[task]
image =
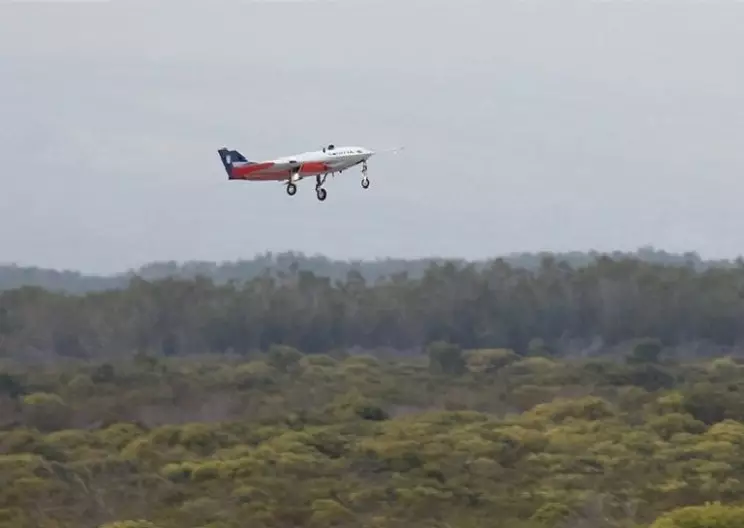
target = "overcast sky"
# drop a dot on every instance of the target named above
(528, 126)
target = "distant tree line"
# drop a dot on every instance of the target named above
(277, 264)
(532, 311)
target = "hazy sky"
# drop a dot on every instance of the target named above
(527, 125)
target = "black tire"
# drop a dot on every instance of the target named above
(291, 189)
(322, 194)
(365, 183)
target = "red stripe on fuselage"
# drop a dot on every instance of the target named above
(314, 167)
(242, 171)
(262, 171)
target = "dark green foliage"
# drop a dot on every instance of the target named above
(103, 373)
(551, 311)
(446, 358)
(10, 386)
(371, 412)
(283, 358)
(646, 351)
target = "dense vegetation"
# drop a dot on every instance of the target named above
(457, 439)
(556, 307)
(604, 394)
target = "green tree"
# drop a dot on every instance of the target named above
(446, 358)
(709, 516)
(283, 357)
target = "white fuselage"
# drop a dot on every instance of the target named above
(326, 161)
(318, 163)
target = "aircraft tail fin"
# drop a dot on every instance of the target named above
(230, 158)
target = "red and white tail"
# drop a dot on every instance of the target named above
(231, 158)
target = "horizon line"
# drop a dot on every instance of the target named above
(637, 252)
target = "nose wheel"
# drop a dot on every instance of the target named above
(291, 189)
(365, 180)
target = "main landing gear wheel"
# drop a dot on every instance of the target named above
(291, 189)
(319, 190)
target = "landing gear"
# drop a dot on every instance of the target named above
(365, 180)
(319, 190)
(294, 175)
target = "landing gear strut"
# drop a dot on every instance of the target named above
(365, 180)
(319, 190)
